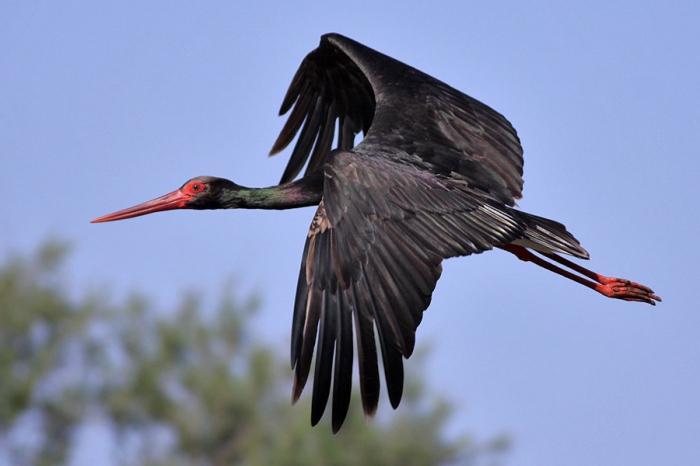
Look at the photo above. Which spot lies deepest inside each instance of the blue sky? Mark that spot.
(105, 105)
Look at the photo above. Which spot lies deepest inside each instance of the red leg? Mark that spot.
(618, 288)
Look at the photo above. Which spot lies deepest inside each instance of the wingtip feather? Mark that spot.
(296, 391)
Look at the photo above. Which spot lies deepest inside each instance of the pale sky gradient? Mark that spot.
(105, 104)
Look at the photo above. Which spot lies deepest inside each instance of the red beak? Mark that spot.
(173, 200)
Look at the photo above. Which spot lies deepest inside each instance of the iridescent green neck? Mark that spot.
(301, 193)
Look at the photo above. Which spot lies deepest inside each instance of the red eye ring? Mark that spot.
(196, 187)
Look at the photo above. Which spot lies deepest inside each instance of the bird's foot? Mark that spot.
(620, 288)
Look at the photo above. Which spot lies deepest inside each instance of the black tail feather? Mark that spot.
(545, 235)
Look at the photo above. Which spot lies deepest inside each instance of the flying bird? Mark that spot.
(435, 176)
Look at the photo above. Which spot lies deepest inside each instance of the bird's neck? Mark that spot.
(304, 192)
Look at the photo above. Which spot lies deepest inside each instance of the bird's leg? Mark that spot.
(584, 271)
(618, 288)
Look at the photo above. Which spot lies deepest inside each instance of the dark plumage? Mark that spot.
(435, 176)
(432, 179)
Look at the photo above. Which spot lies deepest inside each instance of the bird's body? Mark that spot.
(436, 176)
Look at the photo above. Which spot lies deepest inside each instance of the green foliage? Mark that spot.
(187, 386)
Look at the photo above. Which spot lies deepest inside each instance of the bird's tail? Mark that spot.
(548, 236)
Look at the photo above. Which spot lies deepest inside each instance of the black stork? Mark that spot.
(435, 176)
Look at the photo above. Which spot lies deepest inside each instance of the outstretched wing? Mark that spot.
(402, 111)
(371, 261)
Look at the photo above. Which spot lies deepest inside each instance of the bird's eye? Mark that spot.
(195, 187)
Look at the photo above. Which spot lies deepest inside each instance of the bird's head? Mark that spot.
(201, 192)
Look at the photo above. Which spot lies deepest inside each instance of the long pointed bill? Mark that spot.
(173, 200)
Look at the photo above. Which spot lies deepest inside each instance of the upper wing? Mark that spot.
(373, 253)
(402, 111)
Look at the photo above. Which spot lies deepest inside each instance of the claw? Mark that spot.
(620, 288)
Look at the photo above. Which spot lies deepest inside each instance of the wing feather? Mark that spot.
(324, 357)
(366, 356)
(294, 122)
(305, 142)
(342, 377)
(374, 251)
(402, 111)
